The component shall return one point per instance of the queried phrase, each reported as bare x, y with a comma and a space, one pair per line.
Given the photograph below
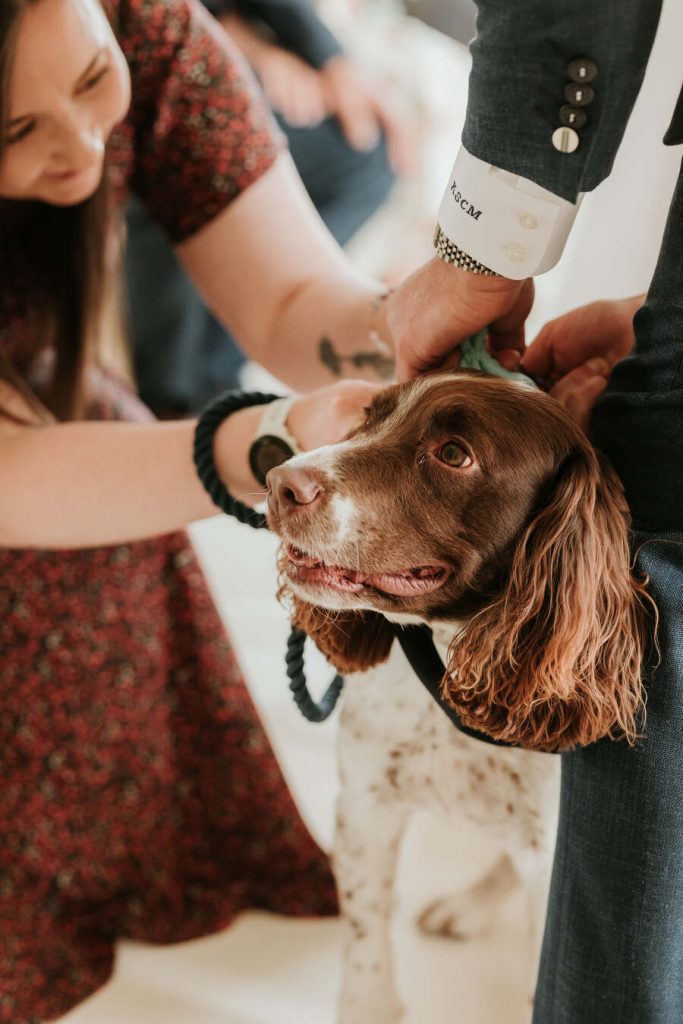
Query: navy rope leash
314, 712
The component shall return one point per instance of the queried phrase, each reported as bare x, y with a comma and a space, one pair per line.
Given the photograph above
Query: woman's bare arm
271, 272
80, 485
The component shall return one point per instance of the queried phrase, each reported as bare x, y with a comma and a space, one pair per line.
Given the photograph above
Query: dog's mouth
308, 570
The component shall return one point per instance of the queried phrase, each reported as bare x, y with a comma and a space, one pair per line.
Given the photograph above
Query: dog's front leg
367, 840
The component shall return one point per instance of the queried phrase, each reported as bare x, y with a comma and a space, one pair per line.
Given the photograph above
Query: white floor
269, 970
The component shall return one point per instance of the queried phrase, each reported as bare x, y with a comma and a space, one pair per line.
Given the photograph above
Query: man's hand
440, 305
603, 329
579, 390
578, 350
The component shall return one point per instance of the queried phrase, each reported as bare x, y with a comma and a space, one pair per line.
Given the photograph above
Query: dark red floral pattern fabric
197, 132
139, 796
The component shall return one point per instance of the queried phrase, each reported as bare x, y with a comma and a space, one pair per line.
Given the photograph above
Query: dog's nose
293, 488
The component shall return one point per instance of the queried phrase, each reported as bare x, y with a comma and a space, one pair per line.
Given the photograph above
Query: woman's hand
329, 414
578, 350
324, 416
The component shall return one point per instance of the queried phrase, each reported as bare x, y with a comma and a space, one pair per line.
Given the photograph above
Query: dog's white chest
396, 741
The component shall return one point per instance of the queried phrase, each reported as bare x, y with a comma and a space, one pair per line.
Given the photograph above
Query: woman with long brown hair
139, 797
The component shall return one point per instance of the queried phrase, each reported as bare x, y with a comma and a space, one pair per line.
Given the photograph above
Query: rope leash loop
314, 712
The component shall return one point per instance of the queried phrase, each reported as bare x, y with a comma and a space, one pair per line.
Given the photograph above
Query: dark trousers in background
182, 355
613, 946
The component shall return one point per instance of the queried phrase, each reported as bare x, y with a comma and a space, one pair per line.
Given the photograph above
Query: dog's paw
473, 913
458, 917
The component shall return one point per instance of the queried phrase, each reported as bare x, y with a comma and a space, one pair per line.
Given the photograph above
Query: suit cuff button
572, 117
566, 140
578, 95
582, 70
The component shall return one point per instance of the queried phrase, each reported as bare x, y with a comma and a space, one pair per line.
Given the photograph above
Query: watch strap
450, 253
274, 422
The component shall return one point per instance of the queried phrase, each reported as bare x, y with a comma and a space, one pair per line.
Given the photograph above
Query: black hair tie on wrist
209, 421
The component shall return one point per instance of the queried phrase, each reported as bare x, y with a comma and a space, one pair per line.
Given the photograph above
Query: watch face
267, 452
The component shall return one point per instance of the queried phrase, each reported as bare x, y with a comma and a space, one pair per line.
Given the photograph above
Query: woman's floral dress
139, 796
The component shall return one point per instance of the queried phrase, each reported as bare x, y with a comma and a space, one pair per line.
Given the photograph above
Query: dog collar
474, 356
421, 654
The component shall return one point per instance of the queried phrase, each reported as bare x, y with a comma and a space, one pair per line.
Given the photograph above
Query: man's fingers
539, 358
508, 358
410, 365
507, 331
593, 369
579, 404
507, 341
452, 360
439, 306
579, 390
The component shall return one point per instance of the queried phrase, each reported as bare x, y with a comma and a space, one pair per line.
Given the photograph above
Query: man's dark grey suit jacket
519, 73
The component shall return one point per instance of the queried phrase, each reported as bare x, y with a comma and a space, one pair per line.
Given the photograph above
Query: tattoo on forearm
380, 364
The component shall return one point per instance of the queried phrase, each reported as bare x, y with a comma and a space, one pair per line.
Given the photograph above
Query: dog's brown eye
453, 454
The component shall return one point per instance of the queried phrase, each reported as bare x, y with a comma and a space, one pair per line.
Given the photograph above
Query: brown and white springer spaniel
476, 505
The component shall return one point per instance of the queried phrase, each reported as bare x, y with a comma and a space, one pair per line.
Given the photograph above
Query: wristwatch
273, 443
450, 253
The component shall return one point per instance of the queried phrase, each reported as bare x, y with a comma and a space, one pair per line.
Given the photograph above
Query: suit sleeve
520, 57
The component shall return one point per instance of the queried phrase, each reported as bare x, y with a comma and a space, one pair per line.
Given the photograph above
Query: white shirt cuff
506, 222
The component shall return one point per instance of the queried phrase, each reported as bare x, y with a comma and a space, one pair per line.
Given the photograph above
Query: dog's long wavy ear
351, 641
555, 661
